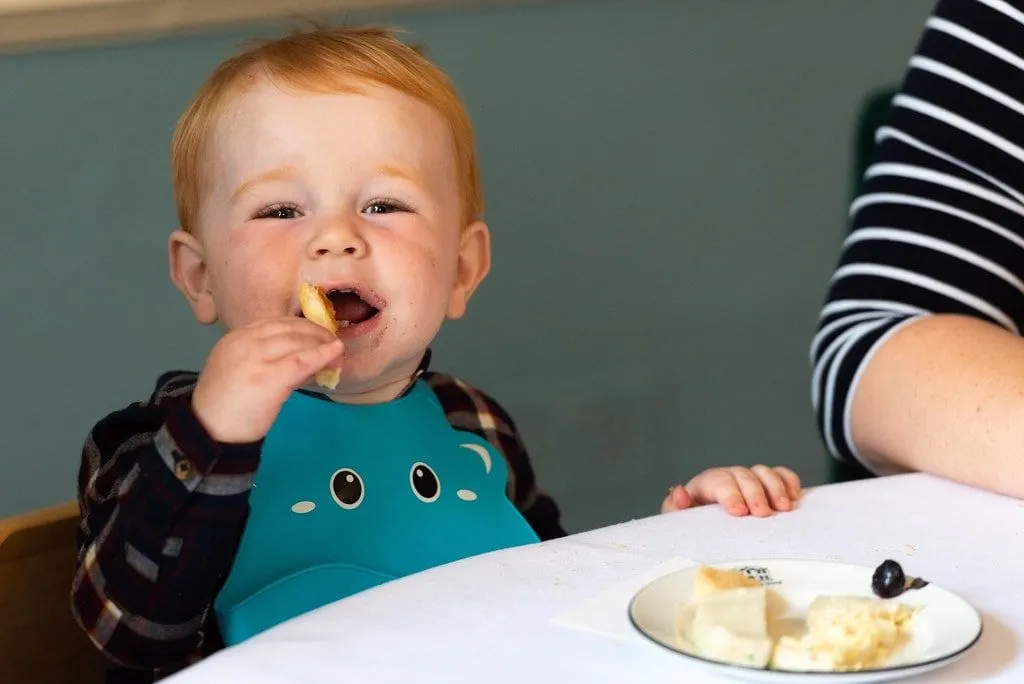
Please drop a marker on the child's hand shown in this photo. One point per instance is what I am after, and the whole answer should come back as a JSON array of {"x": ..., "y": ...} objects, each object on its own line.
[
  {"x": 741, "y": 491},
  {"x": 252, "y": 370}
]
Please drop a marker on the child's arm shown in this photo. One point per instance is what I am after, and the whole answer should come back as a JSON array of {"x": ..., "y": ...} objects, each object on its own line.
[
  {"x": 162, "y": 507},
  {"x": 474, "y": 411},
  {"x": 741, "y": 491},
  {"x": 539, "y": 508}
]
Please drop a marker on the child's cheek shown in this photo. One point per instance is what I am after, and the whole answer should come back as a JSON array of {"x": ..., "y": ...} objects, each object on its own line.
[
  {"x": 411, "y": 263},
  {"x": 258, "y": 278}
]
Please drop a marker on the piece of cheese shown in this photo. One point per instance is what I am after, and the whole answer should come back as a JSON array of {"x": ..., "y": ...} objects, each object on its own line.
[
  {"x": 709, "y": 580},
  {"x": 730, "y": 625},
  {"x": 845, "y": 633}
]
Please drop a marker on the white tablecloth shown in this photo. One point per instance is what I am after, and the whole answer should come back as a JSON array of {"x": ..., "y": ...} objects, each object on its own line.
[{"x": 489, "y": 619}]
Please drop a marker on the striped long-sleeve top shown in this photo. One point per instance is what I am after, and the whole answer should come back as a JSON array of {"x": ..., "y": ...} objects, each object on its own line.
[{"x": 938, "y": 226}]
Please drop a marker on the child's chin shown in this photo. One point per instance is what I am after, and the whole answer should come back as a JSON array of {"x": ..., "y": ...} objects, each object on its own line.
[{"x": 368, "y": 374}]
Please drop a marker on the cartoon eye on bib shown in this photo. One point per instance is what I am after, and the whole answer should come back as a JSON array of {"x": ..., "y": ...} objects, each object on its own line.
[
  {"x": 347, "y": 488},
  {"x": 424, "y": 482}
]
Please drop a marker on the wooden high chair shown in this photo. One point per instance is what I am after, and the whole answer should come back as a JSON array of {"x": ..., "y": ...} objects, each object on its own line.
[{"x": 39, "y": 640}]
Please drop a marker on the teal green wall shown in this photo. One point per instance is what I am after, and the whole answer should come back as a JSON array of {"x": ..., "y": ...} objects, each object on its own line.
[{"x": 666, "y": 180}]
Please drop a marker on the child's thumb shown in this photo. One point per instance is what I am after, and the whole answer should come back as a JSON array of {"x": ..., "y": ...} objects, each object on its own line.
[{"x": 678, "y": 499}]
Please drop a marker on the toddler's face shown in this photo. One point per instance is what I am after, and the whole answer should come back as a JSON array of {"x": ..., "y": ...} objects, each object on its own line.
[{"x": 358, "y": 193}]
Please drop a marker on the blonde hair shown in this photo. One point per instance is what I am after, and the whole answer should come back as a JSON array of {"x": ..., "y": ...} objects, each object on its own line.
[{"x": 321, "y": 60}]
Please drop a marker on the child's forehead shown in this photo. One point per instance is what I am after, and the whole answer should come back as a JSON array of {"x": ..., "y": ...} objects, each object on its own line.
[
  {"x": 267, "y": 104},
  {"x": 267, "y": 126},
  {"x": 357, "y": 114}
]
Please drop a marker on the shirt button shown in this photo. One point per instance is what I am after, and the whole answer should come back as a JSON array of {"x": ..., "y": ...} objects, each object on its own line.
[{"x": 183, "y": 470}]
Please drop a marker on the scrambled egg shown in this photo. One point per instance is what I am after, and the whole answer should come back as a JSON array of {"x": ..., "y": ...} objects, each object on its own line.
[{"x": 845, "y": 633}]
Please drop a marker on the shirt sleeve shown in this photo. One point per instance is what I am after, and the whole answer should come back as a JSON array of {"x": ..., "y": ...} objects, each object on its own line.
[
  {"x": 939, "y": 225},
  {"x": 474, "y": 411},
  {"x": 162, "y": 508}
]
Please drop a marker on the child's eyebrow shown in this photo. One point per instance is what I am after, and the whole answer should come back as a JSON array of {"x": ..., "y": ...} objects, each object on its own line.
[
  {"x": 399, "y": 171},
  {"x": 285, "y": 172}
]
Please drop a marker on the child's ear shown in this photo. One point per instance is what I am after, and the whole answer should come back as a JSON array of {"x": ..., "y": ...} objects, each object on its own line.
[
  {"x": 474, "y": 264},
  {"x": 190, "y": 275}
]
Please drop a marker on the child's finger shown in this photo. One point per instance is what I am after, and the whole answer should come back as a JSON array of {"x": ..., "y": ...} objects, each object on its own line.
[
  {"x": 753, "y": 491},
  {"x": 717, "y": 486},
  {"x": 304, "y": 363},
  {"x": 731, "y": 498},
  {"x": 677, "y": 499},
  {"x": 681, "y": 498},
  {"x": 792, "y": 481},
  {"x": 775, "y": 486}
]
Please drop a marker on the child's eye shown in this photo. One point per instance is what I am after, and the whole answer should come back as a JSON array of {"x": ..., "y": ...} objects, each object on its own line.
[
  {"x": 282, "y": 212},
  {"x": 384, "y": 206}
]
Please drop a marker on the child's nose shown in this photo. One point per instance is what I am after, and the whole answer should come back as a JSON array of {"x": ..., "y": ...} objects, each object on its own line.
[{"x": 338, "y": 237}]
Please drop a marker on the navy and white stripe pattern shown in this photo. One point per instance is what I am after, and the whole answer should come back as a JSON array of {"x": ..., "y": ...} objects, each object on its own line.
[{"x": 939, "y": 225}]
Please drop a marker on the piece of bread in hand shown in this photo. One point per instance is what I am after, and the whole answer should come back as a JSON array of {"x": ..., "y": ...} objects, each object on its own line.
[{"x": 318, "y": 308}]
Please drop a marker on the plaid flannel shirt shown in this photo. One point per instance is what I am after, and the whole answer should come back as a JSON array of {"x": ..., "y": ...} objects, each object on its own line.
[{"x": 163, "y": 510}]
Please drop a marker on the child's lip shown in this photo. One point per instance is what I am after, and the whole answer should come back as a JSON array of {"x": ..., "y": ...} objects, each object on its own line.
[{"x": 362, "y": 328}]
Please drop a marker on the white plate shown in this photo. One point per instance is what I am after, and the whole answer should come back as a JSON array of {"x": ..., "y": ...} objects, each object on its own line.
[{"x": 944, "y": 630}]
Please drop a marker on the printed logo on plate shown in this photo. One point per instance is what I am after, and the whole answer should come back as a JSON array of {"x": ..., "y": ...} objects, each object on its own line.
[{"x": 760, "y": 574}]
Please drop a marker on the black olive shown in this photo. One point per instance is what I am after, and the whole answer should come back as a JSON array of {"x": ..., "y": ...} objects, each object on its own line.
[{"x": 888, "y": 580}]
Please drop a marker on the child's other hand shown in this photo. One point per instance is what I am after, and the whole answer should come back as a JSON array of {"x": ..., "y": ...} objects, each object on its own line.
[
  {"x": 741, "y": 491},
  {"x": 251, "y": 371}
]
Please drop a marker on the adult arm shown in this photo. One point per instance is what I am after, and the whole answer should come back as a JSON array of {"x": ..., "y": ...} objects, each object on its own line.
[{"x": 917, "y": 361}]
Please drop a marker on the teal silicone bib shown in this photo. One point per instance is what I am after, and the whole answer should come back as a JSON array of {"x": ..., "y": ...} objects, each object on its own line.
[{"x": 348, "y": 497}]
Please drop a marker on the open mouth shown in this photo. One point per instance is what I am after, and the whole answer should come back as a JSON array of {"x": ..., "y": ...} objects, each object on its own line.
[{"x": 350, "y": 308}]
